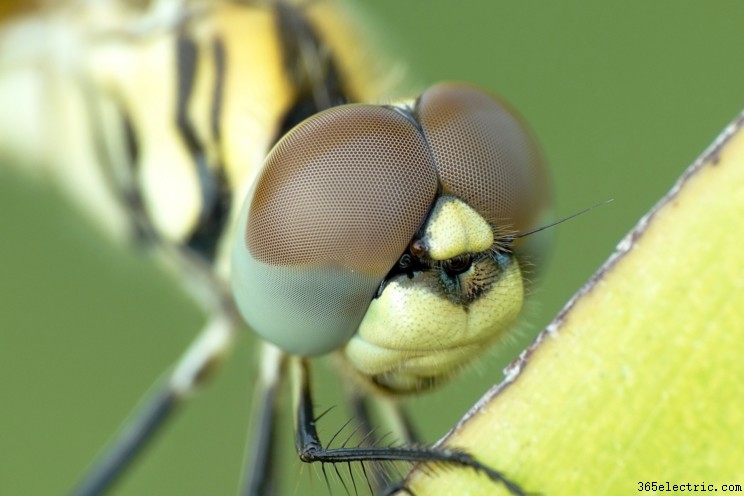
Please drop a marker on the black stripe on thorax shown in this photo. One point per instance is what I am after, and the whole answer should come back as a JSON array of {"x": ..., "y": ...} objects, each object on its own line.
[
  {"x": 215, "y": 194},
  {"x": 218, "y": 52},
  {"x": 309, "y": 65}
]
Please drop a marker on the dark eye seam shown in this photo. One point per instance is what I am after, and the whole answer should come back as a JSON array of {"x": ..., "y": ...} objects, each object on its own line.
[{"x": 457, "y": 265}]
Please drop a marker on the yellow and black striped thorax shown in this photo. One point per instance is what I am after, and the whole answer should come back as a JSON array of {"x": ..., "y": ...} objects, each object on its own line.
[{"x": 163, "y": 115}]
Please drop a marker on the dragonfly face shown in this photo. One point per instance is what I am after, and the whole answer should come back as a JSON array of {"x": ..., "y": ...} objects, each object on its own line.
[{"x": 382, "y": 230}]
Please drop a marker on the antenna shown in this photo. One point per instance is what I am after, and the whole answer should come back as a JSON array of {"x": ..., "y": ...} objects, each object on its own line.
[{"x": 564, "y": 219}]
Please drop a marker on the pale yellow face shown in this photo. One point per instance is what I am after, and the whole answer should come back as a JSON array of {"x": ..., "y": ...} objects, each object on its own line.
[{"x": 428, "y": 323}]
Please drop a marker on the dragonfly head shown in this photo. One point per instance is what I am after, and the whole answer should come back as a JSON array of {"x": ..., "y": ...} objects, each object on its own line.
[{"x": 387, "y": 233}]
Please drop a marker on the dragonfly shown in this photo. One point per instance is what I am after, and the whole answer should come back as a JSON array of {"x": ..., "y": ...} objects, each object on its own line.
[{"x": 243, "y": 160}]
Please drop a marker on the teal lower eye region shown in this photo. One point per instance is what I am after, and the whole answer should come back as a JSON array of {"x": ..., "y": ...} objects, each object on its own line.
[{"x": 303, "y": 311}]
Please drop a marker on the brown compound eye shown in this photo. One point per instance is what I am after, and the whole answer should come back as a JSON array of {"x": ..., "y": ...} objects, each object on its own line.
[
  {"x": 335, "y": 206},
  {"x": 485, "y": 154}
]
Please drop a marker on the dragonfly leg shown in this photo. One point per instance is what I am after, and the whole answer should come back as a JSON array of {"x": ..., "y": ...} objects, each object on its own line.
[
  {"x": 201, "y": 357},
  {"x": 311, "y": 450},
  {"x": 259, "y": 478},
  {"x": 390, "y": 409}
]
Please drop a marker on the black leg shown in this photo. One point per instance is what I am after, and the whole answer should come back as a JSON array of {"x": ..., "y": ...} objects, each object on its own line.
[
  {"x": 259, "y": 477},
  {"x": 360, "y": 407},
  {"x": 393, "y": 415},
  {"x": 131, "y": 441},
  {"x": 311, "y": 450},
  {"x": 159, "y": 407}
]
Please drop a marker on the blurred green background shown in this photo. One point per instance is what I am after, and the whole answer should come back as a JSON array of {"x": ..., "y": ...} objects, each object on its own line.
[{"x": 623, "y": 96}]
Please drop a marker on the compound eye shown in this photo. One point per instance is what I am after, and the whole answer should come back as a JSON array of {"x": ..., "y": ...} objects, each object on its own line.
[
  {"x": 485, "y": 154},
  {"x": 336, "y": 204}
]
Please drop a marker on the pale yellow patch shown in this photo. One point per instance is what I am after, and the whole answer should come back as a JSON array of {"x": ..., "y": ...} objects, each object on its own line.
[
  {"x": 169, "y": 185},
  {"x": 455, "y": 228},
  {"x": 412, "y": 330}
]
